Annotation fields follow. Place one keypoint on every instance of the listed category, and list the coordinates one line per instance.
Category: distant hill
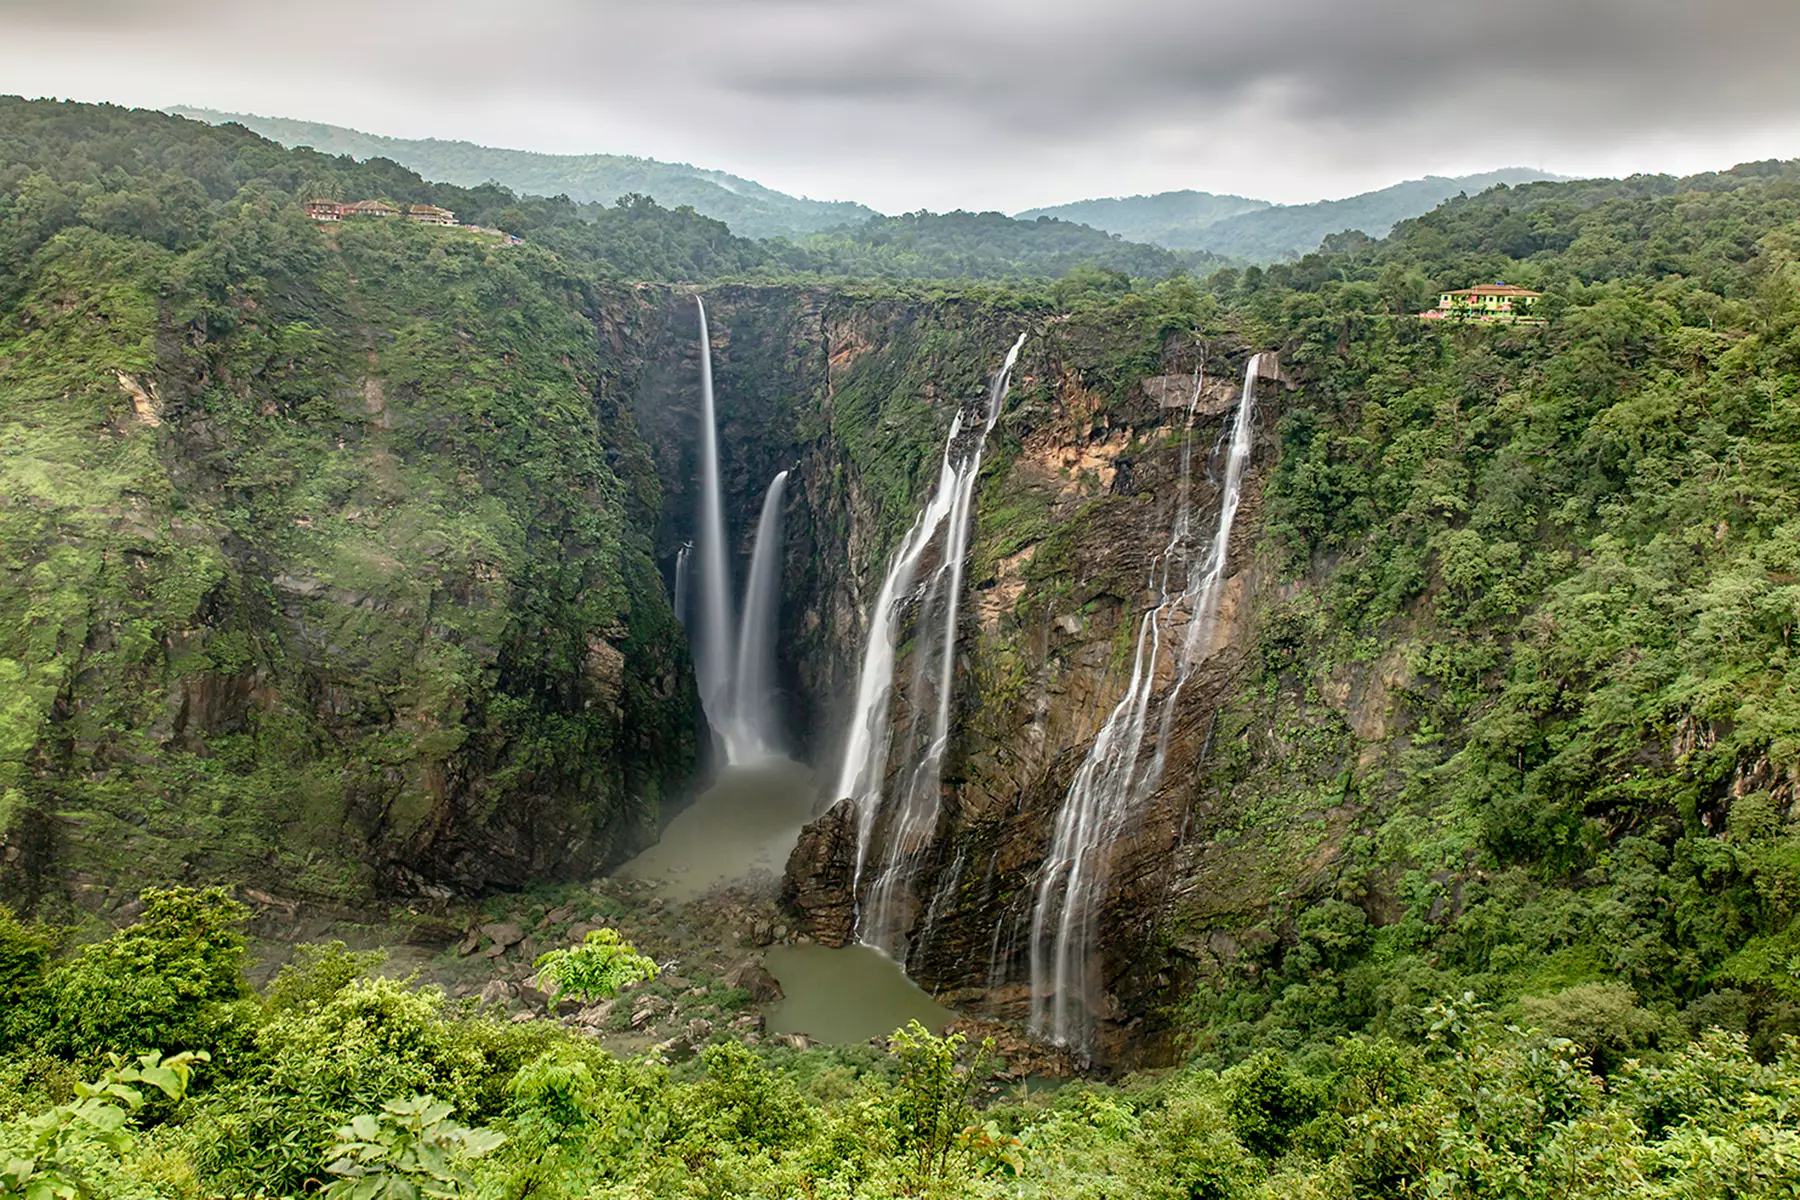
(751, 209)
(1172, 219)
(1254, 230)
(1287, 231)
(989, 245)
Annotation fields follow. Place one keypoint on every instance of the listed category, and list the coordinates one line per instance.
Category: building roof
(1494, 289)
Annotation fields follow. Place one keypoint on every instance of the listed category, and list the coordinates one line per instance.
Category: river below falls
(745, 825)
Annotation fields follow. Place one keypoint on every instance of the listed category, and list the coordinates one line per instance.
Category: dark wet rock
(817, 887)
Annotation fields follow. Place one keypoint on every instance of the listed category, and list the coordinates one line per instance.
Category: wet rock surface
(816, 888)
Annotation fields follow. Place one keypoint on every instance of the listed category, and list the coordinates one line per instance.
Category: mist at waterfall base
(1117, 776)
(894, 825)
(736, 675)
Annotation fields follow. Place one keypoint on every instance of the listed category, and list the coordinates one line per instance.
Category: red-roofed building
(1487, 302)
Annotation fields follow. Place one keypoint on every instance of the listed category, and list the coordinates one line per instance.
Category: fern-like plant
(595, 970)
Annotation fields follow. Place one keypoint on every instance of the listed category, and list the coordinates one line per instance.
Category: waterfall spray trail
(753, 693)
(712, 649)
(1114, 779)
(682, 567)
(736, 679)
(905, 825)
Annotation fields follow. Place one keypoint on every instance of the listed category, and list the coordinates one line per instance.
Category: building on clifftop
(1487, 302)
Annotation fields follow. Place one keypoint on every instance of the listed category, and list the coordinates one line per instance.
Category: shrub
(594, 970)
(163, 982)
(406, 1151)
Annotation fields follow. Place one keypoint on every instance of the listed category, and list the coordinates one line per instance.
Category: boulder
(597, 1016)
(504, 933)
(754, 978)
(496, 991)
(818, 887)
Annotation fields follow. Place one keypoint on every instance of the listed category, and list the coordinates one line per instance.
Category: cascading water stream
(682, 571)
(712, 649)
(753, 694)
(904, 825)
(736, 679)
(1116, 777)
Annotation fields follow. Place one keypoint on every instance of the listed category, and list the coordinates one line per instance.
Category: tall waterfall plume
(892, 829)
(756, 727)
(712, 648)
(1117, 776)
(736, 678)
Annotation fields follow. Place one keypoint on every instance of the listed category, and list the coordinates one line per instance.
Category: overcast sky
(1002, 104)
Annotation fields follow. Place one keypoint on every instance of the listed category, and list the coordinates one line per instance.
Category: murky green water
(848, 995)
(746, 822)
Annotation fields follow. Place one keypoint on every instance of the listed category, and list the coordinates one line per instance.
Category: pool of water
(844, 996)
(746, 822)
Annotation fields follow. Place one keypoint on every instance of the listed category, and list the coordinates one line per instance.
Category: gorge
(1230, 674)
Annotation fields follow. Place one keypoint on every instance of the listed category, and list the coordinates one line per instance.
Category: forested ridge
(1533, 932)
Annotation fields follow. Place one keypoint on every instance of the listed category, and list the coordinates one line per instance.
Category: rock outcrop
(817, 886)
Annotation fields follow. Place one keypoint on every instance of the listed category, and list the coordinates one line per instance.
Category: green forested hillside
(751, 209)
(1565, 556)
(965, 245)
(315, 568)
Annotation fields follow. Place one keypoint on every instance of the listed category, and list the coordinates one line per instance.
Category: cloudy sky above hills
(976, 103)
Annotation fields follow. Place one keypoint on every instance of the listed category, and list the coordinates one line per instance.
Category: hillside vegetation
(332, 1082)
(322, 562)
(751, 209)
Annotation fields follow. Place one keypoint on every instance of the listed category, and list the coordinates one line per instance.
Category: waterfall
(736, 679)
(712, 650)
(757, 730)
(904, 823)
(1116, 777)
(681, 582)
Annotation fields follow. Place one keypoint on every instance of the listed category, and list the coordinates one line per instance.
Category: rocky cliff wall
(325, 567)
(1073, 506)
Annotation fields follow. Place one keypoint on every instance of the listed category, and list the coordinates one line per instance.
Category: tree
(595, 970)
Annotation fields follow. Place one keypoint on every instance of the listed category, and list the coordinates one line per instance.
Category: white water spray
(755, 727)
(712, 649)
(890, 832)
(682, 570)
(1116, 776)
(735, 678)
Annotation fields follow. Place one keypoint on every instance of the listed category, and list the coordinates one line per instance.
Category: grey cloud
(940, 94)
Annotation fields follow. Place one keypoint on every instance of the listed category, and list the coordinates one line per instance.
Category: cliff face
(1073, 508)
(323, 568)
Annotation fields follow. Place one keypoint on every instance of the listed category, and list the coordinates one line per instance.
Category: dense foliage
(340, 1084)
(309, 538)
(965, 245)
(1557, 565)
